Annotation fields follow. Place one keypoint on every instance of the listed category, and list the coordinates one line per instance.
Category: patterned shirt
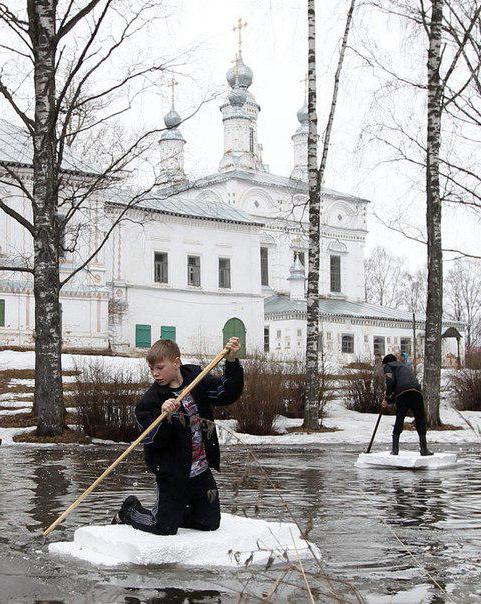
(199, 458)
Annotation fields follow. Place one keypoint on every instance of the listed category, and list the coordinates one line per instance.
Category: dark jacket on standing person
(399, 379)
(168, 447)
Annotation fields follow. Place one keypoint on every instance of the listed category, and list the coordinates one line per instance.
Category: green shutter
(142, 336)
(167, 332)
(2, 313)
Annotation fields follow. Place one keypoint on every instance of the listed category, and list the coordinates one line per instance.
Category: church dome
(172, 119)
(240, 74)
(237, 96)
(303, 114)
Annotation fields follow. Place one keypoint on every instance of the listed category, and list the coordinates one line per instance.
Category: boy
(403, 389)
(181, 450)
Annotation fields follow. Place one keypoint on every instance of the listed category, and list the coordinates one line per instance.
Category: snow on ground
(234, 543)
(355, 428)
(352, 427)
(410, 460)
(7, 434)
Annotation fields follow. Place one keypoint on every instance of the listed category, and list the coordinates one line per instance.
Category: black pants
(196, 506)
(411, 399)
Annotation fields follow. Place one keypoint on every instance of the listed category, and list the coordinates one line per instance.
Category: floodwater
(393, 536)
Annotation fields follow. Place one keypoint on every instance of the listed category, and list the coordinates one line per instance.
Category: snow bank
(234, 543)
(410, 460)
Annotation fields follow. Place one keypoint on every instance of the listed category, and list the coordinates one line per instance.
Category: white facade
(204, 260)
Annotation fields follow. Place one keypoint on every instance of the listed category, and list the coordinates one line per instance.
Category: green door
(2, 313)
(142, 336)
(235, 328)
(167, 332)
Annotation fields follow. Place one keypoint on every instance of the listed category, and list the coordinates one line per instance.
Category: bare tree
(316, 178)
(448, 32)
(69, 85)
(463, 298)
(384, 281)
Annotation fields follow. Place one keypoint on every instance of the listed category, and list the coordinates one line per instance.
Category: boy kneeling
(181, 450)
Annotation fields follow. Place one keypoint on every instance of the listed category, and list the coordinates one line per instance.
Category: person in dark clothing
(404, 390)
(182, 449)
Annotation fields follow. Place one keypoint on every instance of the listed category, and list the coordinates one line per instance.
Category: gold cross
(173, 84)
(240, 25)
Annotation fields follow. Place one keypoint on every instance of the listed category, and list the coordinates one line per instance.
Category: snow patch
(409, 460)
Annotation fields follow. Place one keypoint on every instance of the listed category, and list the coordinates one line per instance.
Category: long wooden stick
(138, 440)
(368, 450)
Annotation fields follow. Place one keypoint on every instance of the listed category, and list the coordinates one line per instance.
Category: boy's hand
(234, 346)
(170, 406)
(384, 403)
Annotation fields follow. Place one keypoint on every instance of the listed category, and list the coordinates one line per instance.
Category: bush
(473, 359)
(465, 388)
(365, 393)
(261, 401)
(105, 399)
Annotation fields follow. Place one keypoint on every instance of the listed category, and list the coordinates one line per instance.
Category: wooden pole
(138, 440)
(368, 450)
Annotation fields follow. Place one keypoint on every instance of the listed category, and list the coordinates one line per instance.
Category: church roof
(268, 179)
(16, 149)
(330, 307)
(175, 206)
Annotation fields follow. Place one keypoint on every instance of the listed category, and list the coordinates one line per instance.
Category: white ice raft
(234, 543)
(406, 460)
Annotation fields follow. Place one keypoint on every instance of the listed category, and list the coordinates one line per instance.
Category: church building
(200, 261)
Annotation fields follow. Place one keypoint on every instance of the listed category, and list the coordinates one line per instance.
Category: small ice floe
(406, 460)
(237, 542)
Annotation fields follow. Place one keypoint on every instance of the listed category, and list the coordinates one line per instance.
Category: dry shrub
(365, 393)
(105, 398)
(473, 359)
(465, 388)
(261, 401)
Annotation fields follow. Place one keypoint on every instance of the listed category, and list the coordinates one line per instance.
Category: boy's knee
(160, 529)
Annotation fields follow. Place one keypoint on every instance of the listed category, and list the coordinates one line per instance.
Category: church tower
(172, 145)
(239, 115)
(299, 140)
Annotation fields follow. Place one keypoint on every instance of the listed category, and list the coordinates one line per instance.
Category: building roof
(268, 179)
(175, 206)
(331, 307)
(16, 149)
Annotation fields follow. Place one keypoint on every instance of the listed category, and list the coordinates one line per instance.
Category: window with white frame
(379, 343)
(265, 266)
(406, 346)
(161, 269)
(347, 343)
(193, 270)
(224, 272)
(335, 274)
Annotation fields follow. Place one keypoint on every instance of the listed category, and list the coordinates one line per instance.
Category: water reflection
(436, 516)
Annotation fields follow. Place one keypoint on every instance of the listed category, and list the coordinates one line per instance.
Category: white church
(200, 261)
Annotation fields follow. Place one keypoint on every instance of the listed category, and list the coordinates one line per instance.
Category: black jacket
(399, 378)
(168, 447)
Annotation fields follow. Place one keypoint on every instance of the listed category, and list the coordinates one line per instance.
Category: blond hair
(162, 349)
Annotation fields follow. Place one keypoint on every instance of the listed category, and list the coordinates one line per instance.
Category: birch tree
(316, 179)
(73, 83)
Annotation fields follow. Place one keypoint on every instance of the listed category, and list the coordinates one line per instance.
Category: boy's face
(165, 370)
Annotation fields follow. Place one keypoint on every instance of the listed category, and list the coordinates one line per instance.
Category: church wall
(198, 313)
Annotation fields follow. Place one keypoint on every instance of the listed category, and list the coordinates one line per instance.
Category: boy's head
(164, 361)
(389, 358)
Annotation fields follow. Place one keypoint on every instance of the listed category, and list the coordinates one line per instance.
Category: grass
(27, 420)
(67, 437)
(301, 430)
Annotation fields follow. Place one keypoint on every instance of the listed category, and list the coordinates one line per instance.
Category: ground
(16, 397)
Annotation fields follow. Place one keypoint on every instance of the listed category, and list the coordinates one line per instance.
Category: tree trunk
(311, 407)
(434, 307)
(48, 401)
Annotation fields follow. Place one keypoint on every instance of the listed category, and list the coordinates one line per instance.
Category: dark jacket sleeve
(390, 381)
(145, 414)
(226, 389)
